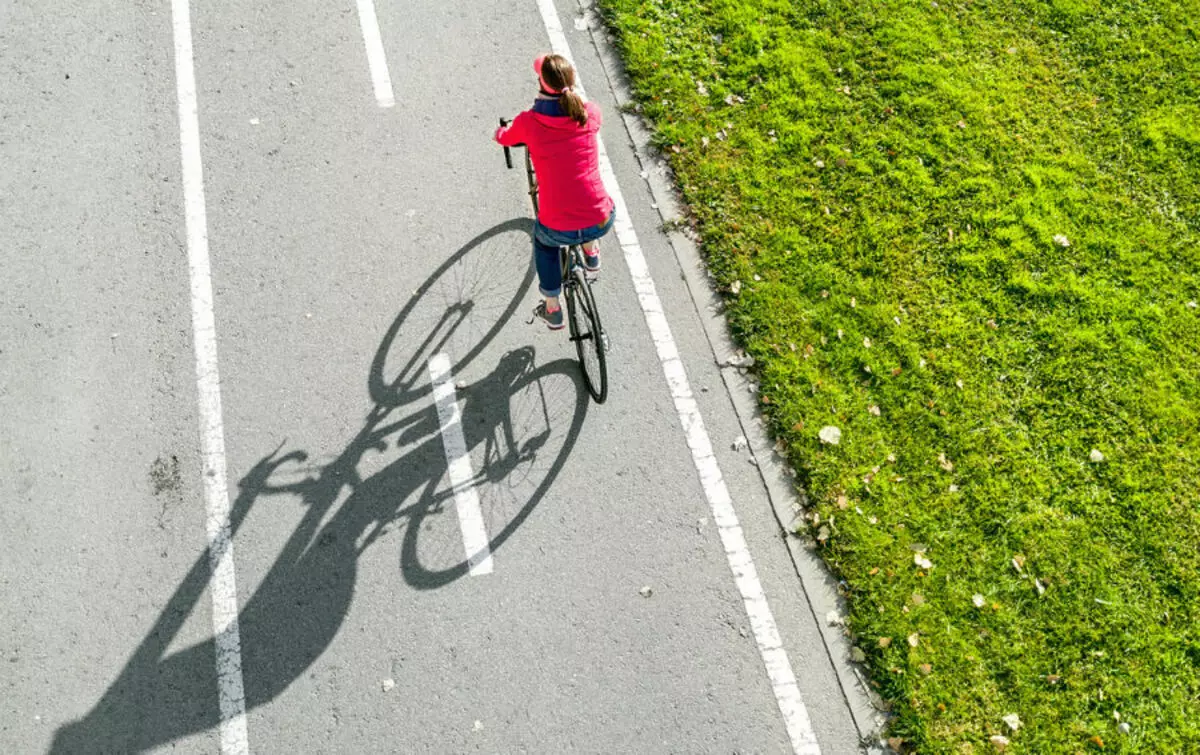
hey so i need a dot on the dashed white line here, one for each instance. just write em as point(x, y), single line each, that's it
point(762, 621)
point(376, 60)
point(226, 635)
point(458, 461)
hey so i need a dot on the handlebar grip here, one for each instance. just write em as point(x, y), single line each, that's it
point(507, 152)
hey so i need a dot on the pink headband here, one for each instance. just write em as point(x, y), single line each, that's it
point(537, 67)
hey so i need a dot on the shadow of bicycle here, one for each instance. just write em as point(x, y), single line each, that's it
point(519, 422)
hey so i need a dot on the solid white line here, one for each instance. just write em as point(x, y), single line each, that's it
point(762, 621)
point(226, 636)
point(380, 77)
point(458, 461)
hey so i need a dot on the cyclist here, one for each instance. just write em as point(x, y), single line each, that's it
point(573, 207)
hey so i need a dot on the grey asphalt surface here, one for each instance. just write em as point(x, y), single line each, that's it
point(349, 243)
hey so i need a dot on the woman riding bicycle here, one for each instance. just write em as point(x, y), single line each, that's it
point(573, 207)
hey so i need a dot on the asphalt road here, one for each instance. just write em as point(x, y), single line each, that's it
point(351, 245)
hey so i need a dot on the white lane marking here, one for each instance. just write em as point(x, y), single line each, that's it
point(762, 621)
point(380, 78)
point(458, 461)
point(226, 635)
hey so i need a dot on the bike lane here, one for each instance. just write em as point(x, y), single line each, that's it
point(351, 245)
point(399, 231)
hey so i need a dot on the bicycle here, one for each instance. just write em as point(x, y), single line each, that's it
point(583, 319)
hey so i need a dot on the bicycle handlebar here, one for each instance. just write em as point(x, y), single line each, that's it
point(507, 152)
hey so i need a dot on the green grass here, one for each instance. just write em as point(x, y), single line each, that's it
point(897, 171)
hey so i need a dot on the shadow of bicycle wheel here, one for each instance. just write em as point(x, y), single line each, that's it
point(459, 309)
point(520, 423)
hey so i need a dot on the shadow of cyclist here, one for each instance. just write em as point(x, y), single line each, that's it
point(522, 419)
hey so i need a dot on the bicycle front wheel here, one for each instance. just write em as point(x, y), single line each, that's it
point(588, 335)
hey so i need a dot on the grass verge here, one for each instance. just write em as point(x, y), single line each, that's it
point(964, 233)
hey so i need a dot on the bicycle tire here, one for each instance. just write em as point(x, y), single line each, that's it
point(588, 335)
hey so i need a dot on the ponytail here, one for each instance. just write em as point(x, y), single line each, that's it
point(572, 105)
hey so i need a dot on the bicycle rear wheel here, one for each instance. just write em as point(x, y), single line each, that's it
point(588, 335)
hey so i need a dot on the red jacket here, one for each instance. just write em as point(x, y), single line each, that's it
point(566, 159)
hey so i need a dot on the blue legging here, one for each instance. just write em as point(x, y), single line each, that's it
point(546, 242)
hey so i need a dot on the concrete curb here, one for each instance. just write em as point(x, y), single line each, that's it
point(787, 500)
